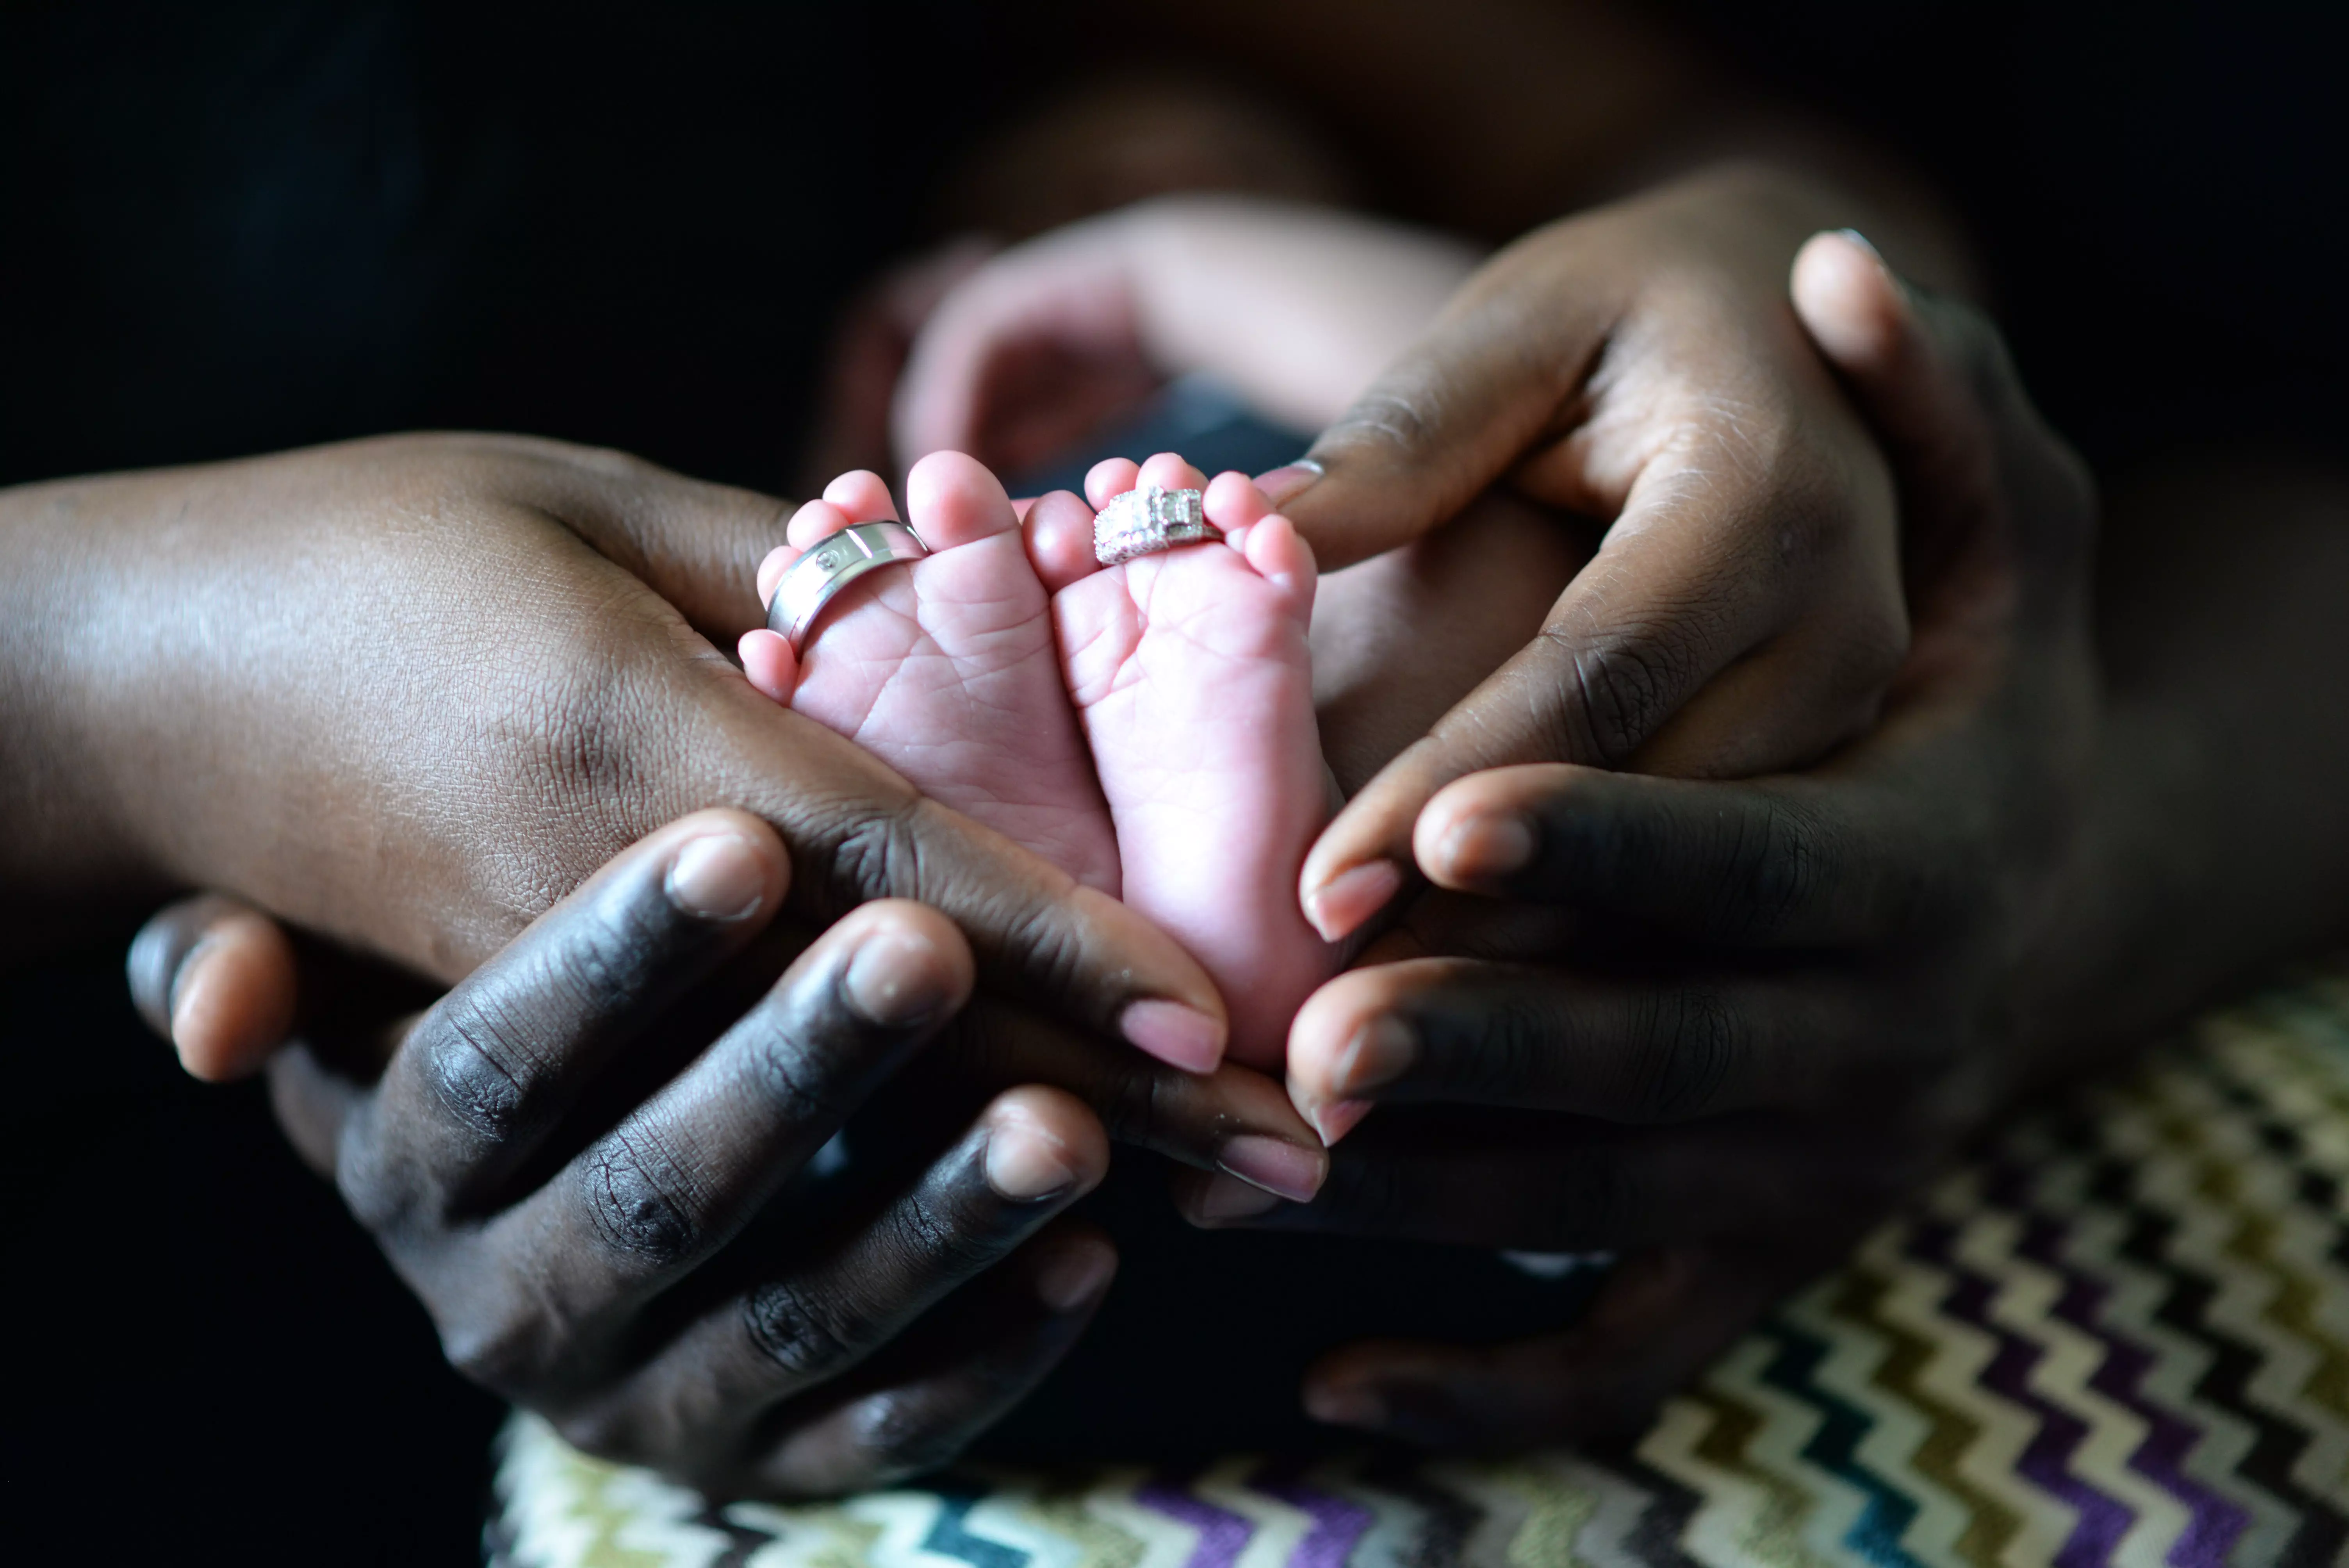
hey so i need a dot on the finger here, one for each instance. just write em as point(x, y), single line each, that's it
point(1541, 1183)
point(1451, 416)
point(1233, 1120)
point(859, 831)
point(917, 1406)
point(1657, 1321)
point(1031, 1153)
point(650, 1201)
point(492, 1067)
point(217, 978)
point(1934, 379)
point(1815, 860)
point(1643, 662)
point(1538, 1039)
point(1060, 540)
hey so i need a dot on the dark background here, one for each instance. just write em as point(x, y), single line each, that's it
point(239, 228)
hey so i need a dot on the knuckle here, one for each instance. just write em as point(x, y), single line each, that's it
point(808, 1338)
point(1685, 1045)
point(1516, 1040)
point(472, 1064)
point(1773, 864)
point(641, 1199)
point(929, 1231)
point(1619, 693)
point(787, 1082)
point(877, 852)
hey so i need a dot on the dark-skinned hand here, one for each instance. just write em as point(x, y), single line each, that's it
point(1722, 1027)
point(595, 1160)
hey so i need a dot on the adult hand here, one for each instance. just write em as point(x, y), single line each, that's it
point(1640, 366)
point(409, 692)
point(1807, 986)
point(595, 1161)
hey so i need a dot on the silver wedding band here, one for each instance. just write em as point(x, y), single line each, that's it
point(830, 564)
point(1147, 520)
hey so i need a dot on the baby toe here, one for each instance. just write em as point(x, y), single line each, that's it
point(1167, 471)
point(770, 571)
point(863, 495)
point(1233, 503)
point(1060, 540)
point(768, 662)
point(956, 499)
point(1282, 558)
point(814, 522)
point(1110, 477)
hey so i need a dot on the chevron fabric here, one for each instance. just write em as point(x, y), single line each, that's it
point(2119, 1335)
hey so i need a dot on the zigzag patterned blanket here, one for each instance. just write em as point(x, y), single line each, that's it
point(2121, 1335)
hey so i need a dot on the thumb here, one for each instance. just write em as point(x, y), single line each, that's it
point(1458, 411)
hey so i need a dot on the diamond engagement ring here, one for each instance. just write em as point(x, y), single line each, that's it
point(830, 564)
point(1146, 520)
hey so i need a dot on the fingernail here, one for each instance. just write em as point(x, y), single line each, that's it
point(1378, 1053)
point(1178, 1035)
point(718, 876)
point(1229, 1198)
point(1488, 846)
point(1337, 908)
point(1074, 1275)
point(178, 999)
point(897, 979)
point(1862, 240)
point(1345, 1404)
point(1334, 1120)
point(1025, 1164)
point(1283, 1170)
point(1291, 479)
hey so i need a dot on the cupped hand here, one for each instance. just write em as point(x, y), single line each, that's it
point(596, 1160)
point(1637, 366)
point(407, 693)
point(1724, 1025)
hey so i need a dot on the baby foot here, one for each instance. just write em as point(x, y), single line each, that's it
point(1191, 670)
point(947, 669)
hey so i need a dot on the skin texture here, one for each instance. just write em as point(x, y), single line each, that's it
point(2016, 871)
point(506, 675)
point(947, 668)
point(1189, 671)
point(590, 1160)
point(1192, 673)
point(404, 695)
